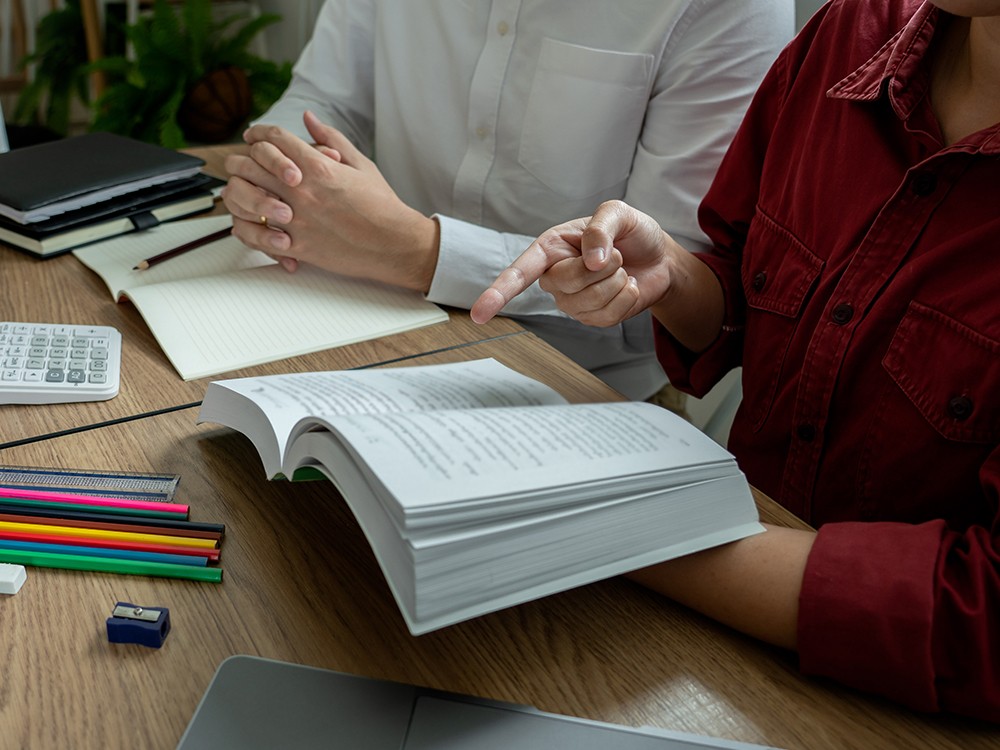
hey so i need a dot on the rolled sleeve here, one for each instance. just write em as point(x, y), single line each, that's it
point(697, 373)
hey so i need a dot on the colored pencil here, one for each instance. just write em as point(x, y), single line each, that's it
point(110, 565)
point(176, 541)
point(30, 536)
point(92, 500)
point(45, 505)
point(118, 554)
point(177, 526)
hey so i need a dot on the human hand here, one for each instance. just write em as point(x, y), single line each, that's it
point(602, 270)
point(327, 205)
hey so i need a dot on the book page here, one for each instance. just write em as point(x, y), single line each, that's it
point(222, 307)
point(309, 398)
point(429, 460)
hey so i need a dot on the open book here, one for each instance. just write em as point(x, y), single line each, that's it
point(479, 488)
point(222, 307)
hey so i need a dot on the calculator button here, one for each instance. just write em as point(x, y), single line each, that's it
point(98, 353)
point(98, 377)
point(33, 376)
point(79, 342)
point(59, 341)
point(100, 341)
point(35, 363)
point(87, 331)
point(10, 375)
point(98, 366)
point(37, 351)
point(54, 376)
point(76, 376)
point(22, 330)
point(62, 330)
point(39, 340)
point(57, 364)
point(78, 364)
point(58, 353)
point(14, 362)
point(77, 353)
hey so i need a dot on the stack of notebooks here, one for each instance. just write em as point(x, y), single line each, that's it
point(63, 194)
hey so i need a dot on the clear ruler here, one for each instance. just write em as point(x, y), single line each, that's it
point(126, 485)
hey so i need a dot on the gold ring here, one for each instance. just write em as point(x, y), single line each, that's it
point(263, 221)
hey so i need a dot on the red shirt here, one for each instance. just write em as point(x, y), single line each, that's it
point(860, 259)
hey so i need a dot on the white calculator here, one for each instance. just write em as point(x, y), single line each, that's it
point(44, 363)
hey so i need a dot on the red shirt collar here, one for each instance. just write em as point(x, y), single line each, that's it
point(899, 73)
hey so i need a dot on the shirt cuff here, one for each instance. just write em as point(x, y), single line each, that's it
point(697, 373)
point(866, 609)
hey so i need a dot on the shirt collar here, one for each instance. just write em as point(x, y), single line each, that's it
point(897, 72)
point(895, 68)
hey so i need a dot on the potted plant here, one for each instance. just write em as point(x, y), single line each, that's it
point(61, 73)
point(191, 78)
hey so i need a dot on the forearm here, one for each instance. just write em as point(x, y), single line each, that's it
point(752, 585)
point(693, 307)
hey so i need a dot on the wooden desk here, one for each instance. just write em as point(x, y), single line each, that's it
point(62, 290)
point(302, 585)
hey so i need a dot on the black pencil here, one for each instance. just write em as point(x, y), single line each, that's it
point(195, 528)
point(173, 253)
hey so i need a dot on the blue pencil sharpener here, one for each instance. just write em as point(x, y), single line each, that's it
point(147, 626)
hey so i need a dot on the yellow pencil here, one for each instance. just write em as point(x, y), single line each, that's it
point(131, 536)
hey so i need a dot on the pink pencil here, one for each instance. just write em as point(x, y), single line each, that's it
point(112, 502)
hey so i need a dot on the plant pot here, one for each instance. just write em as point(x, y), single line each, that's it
point(216, 106)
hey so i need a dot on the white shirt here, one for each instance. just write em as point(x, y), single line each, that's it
point(504, 118)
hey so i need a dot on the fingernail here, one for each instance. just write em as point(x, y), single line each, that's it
point(278, 241)
point(290, 175)
point(601, 253)
point(282, 215)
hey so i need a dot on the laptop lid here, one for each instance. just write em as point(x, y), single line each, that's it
point(254, 703)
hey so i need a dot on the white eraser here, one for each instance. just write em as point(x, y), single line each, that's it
point(12, 577)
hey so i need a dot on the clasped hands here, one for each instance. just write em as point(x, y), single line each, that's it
point(328, 205)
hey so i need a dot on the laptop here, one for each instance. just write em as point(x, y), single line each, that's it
point(256, 704)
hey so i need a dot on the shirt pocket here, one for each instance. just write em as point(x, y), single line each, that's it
point(583, 117)
point(778, 274)
point(949, 372)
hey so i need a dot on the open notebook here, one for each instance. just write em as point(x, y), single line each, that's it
point(255, 703)
point(223, 307)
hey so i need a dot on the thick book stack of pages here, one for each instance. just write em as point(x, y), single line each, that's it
point(479, 488)
point(62, 194)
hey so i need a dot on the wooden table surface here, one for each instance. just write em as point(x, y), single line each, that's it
point(302, 585)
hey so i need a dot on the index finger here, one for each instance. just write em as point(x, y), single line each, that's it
point(519, 275)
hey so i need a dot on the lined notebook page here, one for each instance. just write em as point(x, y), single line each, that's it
point(222, 307)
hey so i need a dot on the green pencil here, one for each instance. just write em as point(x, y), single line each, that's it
point(110, 565)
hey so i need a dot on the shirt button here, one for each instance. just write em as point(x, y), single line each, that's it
point(503, 28)
point(960, 407)
point(806, 432)
point(759, 280)
point(924, 183)
point(482, 132)
point(842, 314)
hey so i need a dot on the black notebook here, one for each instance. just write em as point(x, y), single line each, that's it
point(42, 181)
point(137, 210)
